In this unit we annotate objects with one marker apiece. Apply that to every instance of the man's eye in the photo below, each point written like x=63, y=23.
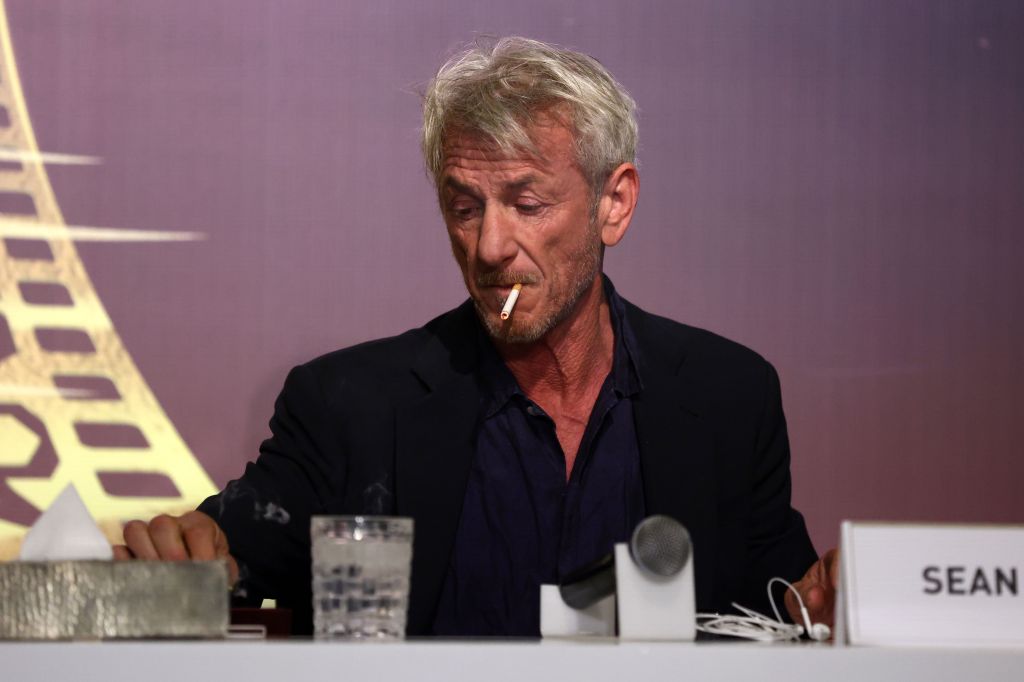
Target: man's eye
x=529, y=209
x=463, y=212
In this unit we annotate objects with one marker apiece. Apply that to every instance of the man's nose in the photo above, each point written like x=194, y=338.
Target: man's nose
x=497, y=245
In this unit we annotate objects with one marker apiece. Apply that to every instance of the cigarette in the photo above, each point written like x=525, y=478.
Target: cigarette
x=510, y=302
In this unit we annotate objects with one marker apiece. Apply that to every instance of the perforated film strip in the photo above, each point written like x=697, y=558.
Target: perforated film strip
x=69, y=391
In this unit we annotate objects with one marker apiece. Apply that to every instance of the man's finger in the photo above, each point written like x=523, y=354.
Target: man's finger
x=832, y=559
x=138, y=540
x=200, y=536
x=122, y=553
x=205, y=541
x=814, y=598
x=167, y=538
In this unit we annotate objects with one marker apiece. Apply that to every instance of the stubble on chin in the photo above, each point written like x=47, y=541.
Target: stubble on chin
x=516, y=330
x=512, y=330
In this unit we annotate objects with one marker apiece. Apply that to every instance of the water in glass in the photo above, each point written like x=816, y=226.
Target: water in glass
x=361, y=576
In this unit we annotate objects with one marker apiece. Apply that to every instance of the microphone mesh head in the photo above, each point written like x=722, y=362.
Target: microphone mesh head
x=660, y=545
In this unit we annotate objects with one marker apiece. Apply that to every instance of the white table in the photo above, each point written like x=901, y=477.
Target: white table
x=303, y=660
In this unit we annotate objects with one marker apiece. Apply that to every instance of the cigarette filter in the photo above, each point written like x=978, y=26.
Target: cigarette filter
x=510, y=302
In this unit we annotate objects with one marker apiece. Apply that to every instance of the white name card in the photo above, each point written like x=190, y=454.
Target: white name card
x=938, y=585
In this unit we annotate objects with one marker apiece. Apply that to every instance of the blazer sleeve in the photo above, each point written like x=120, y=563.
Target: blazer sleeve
x=265, y=513
x=777, y=542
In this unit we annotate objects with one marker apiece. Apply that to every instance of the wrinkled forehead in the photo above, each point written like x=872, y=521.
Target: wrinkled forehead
x=547, y=142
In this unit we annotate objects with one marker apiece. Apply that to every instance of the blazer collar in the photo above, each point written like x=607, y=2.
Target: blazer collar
x=676, y=444
x=435, y=442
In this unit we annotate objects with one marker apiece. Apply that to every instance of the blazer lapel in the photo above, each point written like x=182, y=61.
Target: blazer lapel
x=435, y=439
x=676, y=451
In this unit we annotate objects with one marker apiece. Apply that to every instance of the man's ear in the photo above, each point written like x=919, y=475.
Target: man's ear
x=618, y=202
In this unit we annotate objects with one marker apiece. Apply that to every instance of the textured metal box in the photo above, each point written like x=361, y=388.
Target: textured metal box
x=113, y=599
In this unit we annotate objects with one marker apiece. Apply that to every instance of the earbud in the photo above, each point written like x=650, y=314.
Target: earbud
x=820, y=632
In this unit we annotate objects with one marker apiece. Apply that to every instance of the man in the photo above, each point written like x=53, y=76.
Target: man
x=522, y=447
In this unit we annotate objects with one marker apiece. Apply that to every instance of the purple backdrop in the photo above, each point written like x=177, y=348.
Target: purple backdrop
x=836, y=184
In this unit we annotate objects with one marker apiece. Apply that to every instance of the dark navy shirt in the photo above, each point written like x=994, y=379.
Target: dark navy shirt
x=522, y=523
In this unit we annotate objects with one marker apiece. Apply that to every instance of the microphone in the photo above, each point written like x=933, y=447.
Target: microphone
x=659, y=546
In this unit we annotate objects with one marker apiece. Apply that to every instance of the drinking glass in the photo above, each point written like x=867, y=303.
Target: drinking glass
x=361, y=568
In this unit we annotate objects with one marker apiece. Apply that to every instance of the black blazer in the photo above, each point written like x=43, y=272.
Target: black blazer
x=389, y=427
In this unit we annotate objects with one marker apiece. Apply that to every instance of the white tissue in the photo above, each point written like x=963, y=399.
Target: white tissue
x=65, y=531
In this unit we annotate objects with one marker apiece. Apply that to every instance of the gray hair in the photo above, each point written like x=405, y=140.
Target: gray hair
x=494, y=90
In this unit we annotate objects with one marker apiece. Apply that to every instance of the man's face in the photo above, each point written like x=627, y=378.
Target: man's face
x=514, y=217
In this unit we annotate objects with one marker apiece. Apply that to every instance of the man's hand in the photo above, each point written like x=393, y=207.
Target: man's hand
x=177, y=538
x=818, y=590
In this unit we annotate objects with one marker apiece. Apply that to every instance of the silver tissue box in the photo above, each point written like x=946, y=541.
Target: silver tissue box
x=113, y=599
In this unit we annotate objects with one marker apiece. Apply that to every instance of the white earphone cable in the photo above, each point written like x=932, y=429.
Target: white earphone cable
x=759, y=627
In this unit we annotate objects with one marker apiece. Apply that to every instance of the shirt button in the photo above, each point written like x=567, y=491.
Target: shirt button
x=533, y=411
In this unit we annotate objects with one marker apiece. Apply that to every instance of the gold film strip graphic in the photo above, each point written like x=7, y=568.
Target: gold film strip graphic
x=73, y=405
